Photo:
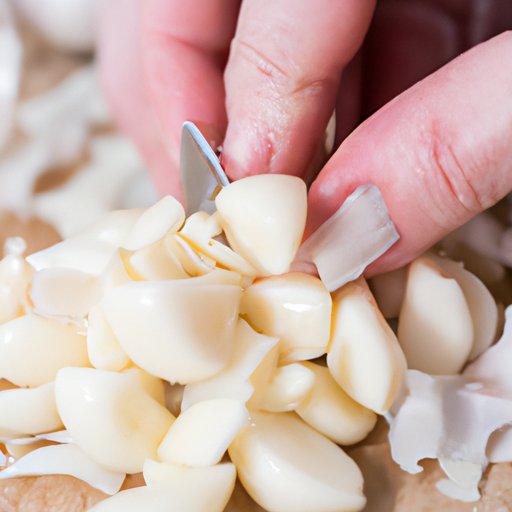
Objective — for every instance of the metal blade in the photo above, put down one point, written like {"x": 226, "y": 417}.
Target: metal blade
{"x": 202, "y": 175}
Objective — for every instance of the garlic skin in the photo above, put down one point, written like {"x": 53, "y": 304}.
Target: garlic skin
{"x": 434, "y": 327}
{"x": 263, "y": 218}
{"x": 178, "y": 348}
{"x": 294, "y": 307}
{"x": 286, "y": 466}
{"x": 332, "y": 412}
{"x": 33, "y": 348}
{"x": 111, "y": 416}
{"x": 364, "y": 356}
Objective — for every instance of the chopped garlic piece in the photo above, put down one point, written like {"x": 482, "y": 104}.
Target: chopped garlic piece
{"x": 111, "y": 416}
{"x": 364, "y": 356}
{"x": 201, "y": 434}
{"x": 435, "y": 327}
{"x": 263, "y": 218}
{"x": 287, "y": 466}
{"x": 332, "y": 412}
{"x": 33, "y": 348}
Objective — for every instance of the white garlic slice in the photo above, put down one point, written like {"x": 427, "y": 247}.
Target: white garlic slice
{"x": 177, "y": 346}
{"x": 28, "y": 411}
{"x": 482, "y": 306}
{"x": 111, "y": 416}
{"x": 346, "y": 243}
{"x": 287, "y": 466}
{"x": 435, "y": 327}
{"x": 155, "y": 262}
{"x": 332, "y": 412}
{"x": 236, "y": 380}
{"x": 263, "y": 218}
{"x": 364, "y": 356}
{"x": 201, "y": 434}
{"x": 34, "y": 348}
{"x": 294, "y": 307}
{"x": 194, "y": 263}
{"x": 64, "y": 292}
{"x": 165, "y": 216}
{"x": 105, "y": 352}
{"x": 288, "y": 387}
{"x": 65, "y": 459}
{"x": 388, "y": 290}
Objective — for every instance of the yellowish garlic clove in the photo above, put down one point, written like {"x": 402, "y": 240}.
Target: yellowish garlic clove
{"x": 177, "y": 347}
{"x": 116, "y": 272}
{"x": 219, "y": 276}
{"x": 332, "y": 412}
{"x": 435, "y": 327}
{"x": 288, "y": 387}
{"x": 111, "y": 416}
{"x": 200, "y": 435}
{"x": 263, "y": 218}
{"x": 194, "y": 263}
{"x": 364, "y": 356}
{"x": 294, "y": 307}
{"x": 33, "y": 348}
{"x": 286, "y": 466}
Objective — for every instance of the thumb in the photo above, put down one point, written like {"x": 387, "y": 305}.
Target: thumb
{"x": 440, "y": 152}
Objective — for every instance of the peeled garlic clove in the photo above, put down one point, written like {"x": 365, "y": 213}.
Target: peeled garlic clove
{"x": 219, "y": 276}
{"x": 263, "y": 218}
{"x": 364, "y": 356}
{"x": 111, "y": 417}
{"x": 435, "y": 327}
{"x": 287, "y": 466}
{"x": 294, "y": 307}
{"x": 194, "y": 263}
{"x": 288, "y": 387}
{"x": 201, "y": 434}
{"x": 28, "y": 411}
{"x": 388, "y": 290}
{"x": 482, "y": 306}
{"x": 177, "y": 346}
{"x": 332, "y": 412}
{"x": 253, "y": 358}
{"x": 167, "y": 215}
{"x": 34, "y": 348}
{"x": 105, "y": 352}
{"x": 115, "y": 273}
{"x": 155, "y": 262}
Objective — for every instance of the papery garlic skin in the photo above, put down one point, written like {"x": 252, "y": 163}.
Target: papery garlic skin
{"x": 328, "y": 409}
{"x": 111, "y": 416}
{"x": 435, "y": 327}
{"x": 263, "y": 218}
{"x": 286, "y": 466}
{"x": 364, "y": 356}
{"x": 294, "y": 307}
{"x": 33, "y": 348}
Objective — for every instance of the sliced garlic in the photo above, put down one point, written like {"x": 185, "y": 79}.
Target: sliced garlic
{"x": 111, "y": 416}
{"x": 294, "y": 307}
{"x": 28, "y": 411}
{"x": 34, "y": 348}
{"x": 364, "y": 356}
{"x": 263, "y": 218}
{"x": 65, "y": 459}
{"x": 155, "y": 262}
{"x": 165, "y": 216}
{"x": 287, "y": 388}
{"x": 388, "y": 290}
{"x": 105, "y": 352}
{"x": 236, "y": 380}
{"x": 177, "y": 346}
{"x": 435, "y": 327}
{"x": 332, "y": 412}
{"x": 201, "y": 435}
{"x": 194, "y": 263}
{"x": 286, "y": 466}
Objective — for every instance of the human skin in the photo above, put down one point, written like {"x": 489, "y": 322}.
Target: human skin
{"x": 267, "y": 76}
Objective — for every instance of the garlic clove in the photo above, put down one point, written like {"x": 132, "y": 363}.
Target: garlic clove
{"x": 194, "y": 263}
{"x": 111, "y": 416}
{"x": 287, "y": 466}
{"x": 332, "y": 412}
{"x": 294, "y": 307}
{"x": 364, "y": 356}
{"x": 177, "y": 347}
{"x": 33, "y": 348}
{"x": 263, "y": 218}
{"x": 200, "y": 435}
{"x": 435, "y": 327}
